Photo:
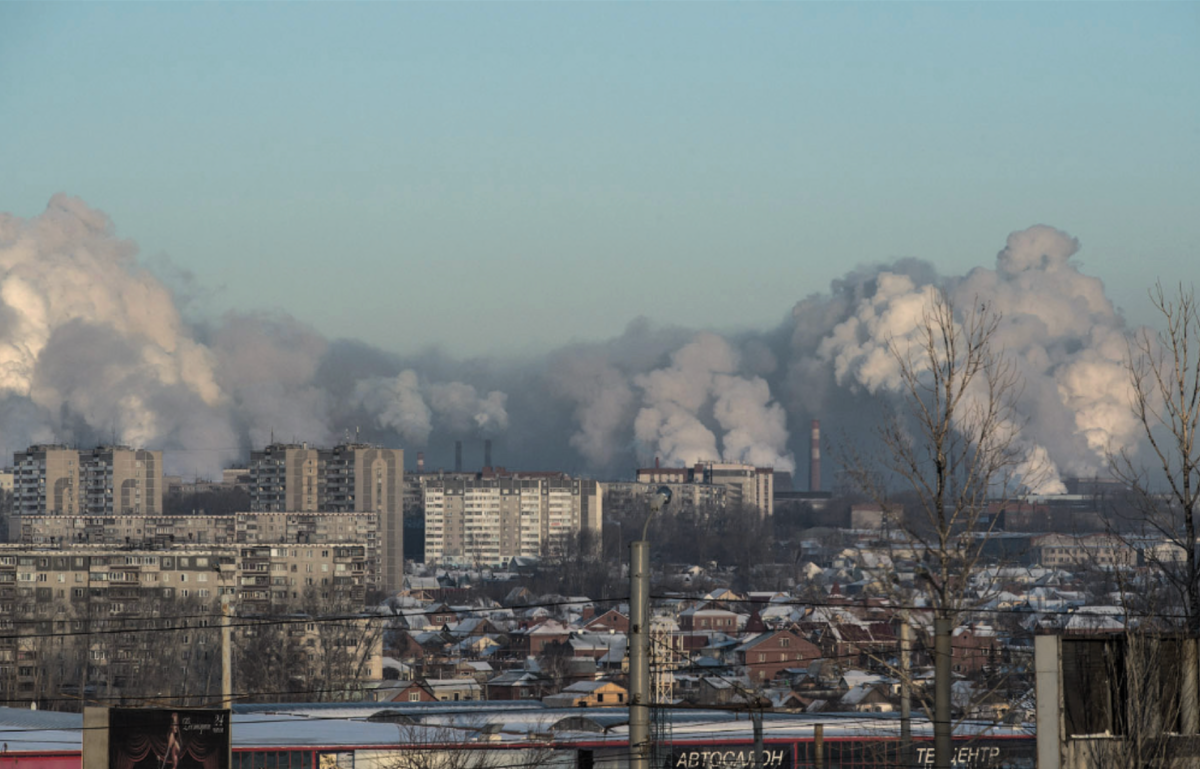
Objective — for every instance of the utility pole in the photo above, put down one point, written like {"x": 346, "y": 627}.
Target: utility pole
{"x": 639, "y": 639}
{"x": 905, "y": 693}
{"x": 226, "y": 655}
{"x": 942, "y": 745}
{"x": 756, "y": 714}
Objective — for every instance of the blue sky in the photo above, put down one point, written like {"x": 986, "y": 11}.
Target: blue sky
{"x": 511, "y": 176}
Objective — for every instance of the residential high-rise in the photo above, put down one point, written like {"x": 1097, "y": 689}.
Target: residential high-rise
{"x": 349, "y": 478}
{"x": 284, "y": 477}
{"x": 361, "y": 478}
{"x": 109, "y": 480}
{"x": 118, "y": 480}
{"x": 489, "y": 520}
{"x": 744, "y": 484}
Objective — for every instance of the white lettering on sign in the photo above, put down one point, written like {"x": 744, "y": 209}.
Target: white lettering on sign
{"x": 964, "y": 757}
{"x": 733, "y": 758}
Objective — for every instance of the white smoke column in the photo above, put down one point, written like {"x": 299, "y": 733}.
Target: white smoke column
{"x": 68, "y": 265}
{"x": 668, "y": 425}
{"x": 756, "y": 428}
{"x": 603, "y": 402}
{"x": 702, "y": 384}
{"x": 1071, "y": 344}
{"x": 859, "y": 347}
{"x": 397, "y": 404}
{"x": 95, "y": 342}
{"x": 265, "y": 365}
{"x": 465, "y": 411}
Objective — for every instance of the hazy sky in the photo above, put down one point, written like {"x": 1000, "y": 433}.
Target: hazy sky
{"x": 510, "y": 176}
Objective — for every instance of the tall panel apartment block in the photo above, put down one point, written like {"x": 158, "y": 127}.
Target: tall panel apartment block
{"x": 108, "y": 480}
{"x": 349, "y": 478}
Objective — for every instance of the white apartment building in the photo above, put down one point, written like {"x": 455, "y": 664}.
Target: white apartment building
{"x": 486, "y": 521}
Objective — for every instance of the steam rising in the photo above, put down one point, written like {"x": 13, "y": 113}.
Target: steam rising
{"x": 93, "y": 348}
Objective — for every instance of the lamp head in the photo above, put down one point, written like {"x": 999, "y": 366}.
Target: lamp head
{"x": 660, "y": 499}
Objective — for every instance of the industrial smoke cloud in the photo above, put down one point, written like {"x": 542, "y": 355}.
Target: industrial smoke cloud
{"x": 94, "y": 349}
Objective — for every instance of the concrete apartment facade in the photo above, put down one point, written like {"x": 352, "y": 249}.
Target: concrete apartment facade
{"x": 165, "y": 531}
{"x": 89, "y": 587}
{"x": 489, "y": 520}
{"x": 744, "y": 484}
{"x": 57, "y": 480}
{"x": 348, "y": 478}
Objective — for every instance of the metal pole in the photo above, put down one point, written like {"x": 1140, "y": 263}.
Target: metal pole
{"x": 942, "y": 745}
{"x": 905, "y": 694}
{"x": 756, "y": 714}
{"x": 639, "y": 655}
{"x": 819, "y": 746}
{"x": 226, "y": 655}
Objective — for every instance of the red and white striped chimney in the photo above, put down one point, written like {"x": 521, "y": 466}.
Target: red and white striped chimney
{"x": 814, "y": 467}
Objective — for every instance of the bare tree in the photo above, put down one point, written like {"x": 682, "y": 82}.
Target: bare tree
{"x": 345, "y": 646}
{"x": 461, "y": 743}
{"x": 1164, "y": 378}
{"x": 953, "y": 445}
{"x": 1164, "y": 374}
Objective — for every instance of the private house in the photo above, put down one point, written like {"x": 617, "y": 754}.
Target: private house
{"x": 767, "y": 655}
{"x": 589, "y": 694}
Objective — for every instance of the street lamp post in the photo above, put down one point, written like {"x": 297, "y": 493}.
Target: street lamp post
{"x": 639, "y": 639}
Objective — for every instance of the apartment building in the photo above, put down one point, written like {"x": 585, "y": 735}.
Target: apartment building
{"x": 57, "y": 480}
{"x": 77, "y": 590}
{"x": 284, "y": 477}
{"x": 348, "y": 478}
{"x": 631, "y": 496}
{"x": 488, "y": 520}
{"x": 129, "y": 530}
{"x": 1104, "y": 551}
{"x": 165, "y": 531}
{"x": 297, "y": 529}
{"x": 743, "y": 484}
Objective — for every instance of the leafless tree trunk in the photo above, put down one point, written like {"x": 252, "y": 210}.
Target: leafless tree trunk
{"x": 953, "y": 443}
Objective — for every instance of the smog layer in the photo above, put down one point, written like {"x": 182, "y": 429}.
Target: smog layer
{"x": 94, "y": 348}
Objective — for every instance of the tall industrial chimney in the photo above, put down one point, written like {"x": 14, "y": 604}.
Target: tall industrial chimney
{"x": 814, "y": 467}
{"x": 458, "y": 456}
{"x": 420, "y": 461}
{"x": 487, "y": 452}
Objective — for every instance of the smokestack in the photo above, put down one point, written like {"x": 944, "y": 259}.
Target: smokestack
{"x": 487, "y": 452}
{"x": 458, "y": 456}
{"x": 420, "y": 461}
{"x": 814, "y": 468}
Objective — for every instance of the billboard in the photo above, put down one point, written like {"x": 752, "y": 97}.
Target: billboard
{"x": 168, "y": 739}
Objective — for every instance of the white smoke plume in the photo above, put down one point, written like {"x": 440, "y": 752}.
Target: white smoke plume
{"x": 702, "y": 379}
{"x": 398, "y": 405}
{"x": 94, "y": 348}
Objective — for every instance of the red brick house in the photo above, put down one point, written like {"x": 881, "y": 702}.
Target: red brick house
{"x": 769, "y": 654}
{"x": 609, "y": 620}
{"x": 708, "y": 620}
{"x": 550, "y": 631}
{"x": 440, "y": 616}
{"x": 972, "y": 648}
{"x": 415, "y": 691}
